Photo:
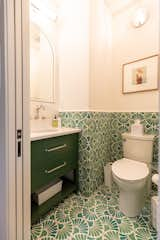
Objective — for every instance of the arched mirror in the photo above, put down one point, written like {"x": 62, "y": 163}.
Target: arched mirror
{"x": 42, "y": 65}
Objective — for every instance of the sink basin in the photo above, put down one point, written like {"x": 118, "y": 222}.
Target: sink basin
{"x": 41, "y": 126}
{"x": 43, "y": 133}
{"x": 44, "y": 130}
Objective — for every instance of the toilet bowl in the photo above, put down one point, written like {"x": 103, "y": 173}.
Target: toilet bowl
{"x": 131, "y": 177}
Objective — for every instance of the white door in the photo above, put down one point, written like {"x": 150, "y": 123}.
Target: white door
{"x": 14, "y": 121}
{"x": 22, "y": 119}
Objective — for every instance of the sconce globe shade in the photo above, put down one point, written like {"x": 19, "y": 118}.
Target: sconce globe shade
{"x": 140, "y": 17}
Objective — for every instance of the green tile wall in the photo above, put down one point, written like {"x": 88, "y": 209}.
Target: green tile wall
{"x": 94, "y": 146}
{"x": 100, "y": 141}
{"x": 121, "y": 122}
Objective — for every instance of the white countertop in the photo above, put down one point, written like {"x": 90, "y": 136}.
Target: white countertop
{"x": 50, "y": 133}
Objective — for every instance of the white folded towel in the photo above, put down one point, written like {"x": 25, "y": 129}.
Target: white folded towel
{"x": 155, "y": 179}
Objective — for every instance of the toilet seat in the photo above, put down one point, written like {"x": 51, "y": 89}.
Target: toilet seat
{"x": 130, "y": 170}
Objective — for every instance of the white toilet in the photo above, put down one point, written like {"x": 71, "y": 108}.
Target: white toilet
{"x": 131, "y": 173}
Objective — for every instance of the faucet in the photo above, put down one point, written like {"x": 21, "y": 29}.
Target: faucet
{"x": 38, "y": 108}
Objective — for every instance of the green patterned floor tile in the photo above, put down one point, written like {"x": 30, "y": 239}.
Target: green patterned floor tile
{"x": 94, "y": 218}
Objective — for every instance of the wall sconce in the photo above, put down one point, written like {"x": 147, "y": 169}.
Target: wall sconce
{"x": 140, "y": 17}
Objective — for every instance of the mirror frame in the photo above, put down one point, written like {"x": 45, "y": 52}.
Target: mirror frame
{"x": 54, "y": 70}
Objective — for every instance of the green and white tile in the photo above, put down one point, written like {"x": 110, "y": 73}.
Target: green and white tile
{"x": 93, "y": 146}
{"x": 94, "y": 214}
{"x": 94, "y": 220}
{"x": 100, "y": 141}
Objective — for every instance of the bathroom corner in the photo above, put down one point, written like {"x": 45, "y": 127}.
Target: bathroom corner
{"x": 101, "y": 139}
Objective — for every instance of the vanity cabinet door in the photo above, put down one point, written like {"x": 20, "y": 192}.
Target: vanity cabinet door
{"x": 52, "y": 158}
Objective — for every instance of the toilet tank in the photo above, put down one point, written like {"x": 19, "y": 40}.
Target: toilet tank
{"x": 139, "y": 148}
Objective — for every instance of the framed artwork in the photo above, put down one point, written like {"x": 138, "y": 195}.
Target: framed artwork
{"x": 140, "y": 75}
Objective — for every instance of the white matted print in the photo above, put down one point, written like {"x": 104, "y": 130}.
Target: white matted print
{"x": 141, "y": 75}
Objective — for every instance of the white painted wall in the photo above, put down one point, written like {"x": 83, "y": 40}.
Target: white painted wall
{"x": 128, "y": 45}
{"x": 74, "y": 37}
{"x": 101, "y": 56}
{"x": 72, "y": 90}
{"x": 93, "y": 45}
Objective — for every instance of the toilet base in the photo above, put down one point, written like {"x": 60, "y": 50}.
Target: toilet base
{"x": 131, "y": 203}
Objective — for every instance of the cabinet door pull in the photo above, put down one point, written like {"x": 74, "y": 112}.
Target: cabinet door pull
{"x": 55, "y": 169}
{"x": 56, "y": 148}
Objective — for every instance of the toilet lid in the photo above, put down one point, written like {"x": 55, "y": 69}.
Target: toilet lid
{"x": 130, "y": 170}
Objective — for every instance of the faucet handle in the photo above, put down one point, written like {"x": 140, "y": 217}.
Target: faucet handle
{"x": 42, "y": 107}
{"x": 38, "y": 107}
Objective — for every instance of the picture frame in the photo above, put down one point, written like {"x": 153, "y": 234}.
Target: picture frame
{"x": 140, "y": 75}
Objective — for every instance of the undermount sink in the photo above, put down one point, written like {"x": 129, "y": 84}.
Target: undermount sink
{"x": 41, "y": 126}
{"x": 44, "y": 130}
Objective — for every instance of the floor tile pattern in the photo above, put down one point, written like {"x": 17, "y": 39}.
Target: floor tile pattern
{"x": 94, "y": 218}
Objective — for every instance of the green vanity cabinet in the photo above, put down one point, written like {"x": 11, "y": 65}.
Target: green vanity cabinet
{"x": 53, "y": 158}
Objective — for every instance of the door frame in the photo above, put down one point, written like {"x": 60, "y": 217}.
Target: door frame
{"x": 7, "y": 123}
{"x": 14, "y": 22}
{"x": 25, "y": 6}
